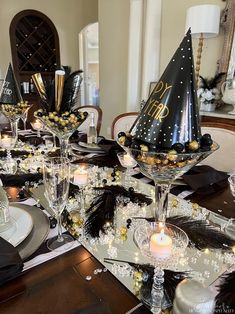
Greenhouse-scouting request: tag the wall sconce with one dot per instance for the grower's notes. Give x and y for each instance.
(204, 21)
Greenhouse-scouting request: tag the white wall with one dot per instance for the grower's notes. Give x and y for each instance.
(69, 18)
(113, 54)
(172, 31)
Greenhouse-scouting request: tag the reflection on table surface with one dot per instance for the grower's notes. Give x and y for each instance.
(205, 266)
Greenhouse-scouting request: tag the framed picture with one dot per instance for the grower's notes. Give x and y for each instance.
(151, 86)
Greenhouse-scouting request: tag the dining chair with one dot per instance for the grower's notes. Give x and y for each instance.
(224, 158)
(84, 127)
(123, 122)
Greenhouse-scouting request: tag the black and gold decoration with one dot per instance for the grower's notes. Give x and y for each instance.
(170, 118)
(58, 101)
(10, 93)
(171, 114)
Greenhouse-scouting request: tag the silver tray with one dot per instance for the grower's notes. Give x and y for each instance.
(41, 228)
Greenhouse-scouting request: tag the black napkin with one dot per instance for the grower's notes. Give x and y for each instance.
(109, 146)
(205, 179)
(19, 180)
(10, 261)
(14, 153)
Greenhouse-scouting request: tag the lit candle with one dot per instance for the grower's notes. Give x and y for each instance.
(160, 245)
(80, 176)
(6, 141)
(37, 125)
(128, 161)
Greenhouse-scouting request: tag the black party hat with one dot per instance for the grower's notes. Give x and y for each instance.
(171, 113)
(10, 93)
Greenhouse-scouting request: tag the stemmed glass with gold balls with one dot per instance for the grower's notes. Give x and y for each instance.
(56, 176)
(163, 168)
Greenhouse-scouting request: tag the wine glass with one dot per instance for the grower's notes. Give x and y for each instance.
(163, 245)
(24, 117)
(56, 176)
(163, 169)
(127, 162)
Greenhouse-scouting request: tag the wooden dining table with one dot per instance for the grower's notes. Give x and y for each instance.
(61, 286)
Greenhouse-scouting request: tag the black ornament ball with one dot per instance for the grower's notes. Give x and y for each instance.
(178, 147)
(135, 145)
(120, 134)
(206, 140)
(39, 114)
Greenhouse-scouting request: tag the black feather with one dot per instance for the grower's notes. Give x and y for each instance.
(133, 196)
(103, 207)
(101, 211)
(171, 278)
(50, 90)
(226, 295)
(211, 83)
(201, 234)
(71, 90)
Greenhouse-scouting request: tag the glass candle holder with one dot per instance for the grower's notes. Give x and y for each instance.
(129, 163)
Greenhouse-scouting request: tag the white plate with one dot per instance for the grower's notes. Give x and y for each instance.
(81, 149)
(21, 226)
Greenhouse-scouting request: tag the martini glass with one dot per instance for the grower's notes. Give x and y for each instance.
(163, 169)
(14, 113)
(163, 245)
(62, 127)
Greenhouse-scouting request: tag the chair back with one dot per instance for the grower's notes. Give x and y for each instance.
(84, 127)
(223, 134)
(123, 122)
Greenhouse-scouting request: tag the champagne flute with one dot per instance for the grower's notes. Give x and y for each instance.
(56, 175)
(24, 118)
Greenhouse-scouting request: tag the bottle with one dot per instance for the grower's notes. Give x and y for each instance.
(92, 133)
(4, 210)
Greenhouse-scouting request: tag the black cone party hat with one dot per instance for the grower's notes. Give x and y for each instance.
(171, 113)
(10, 92)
